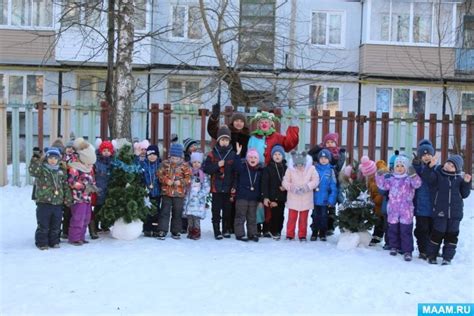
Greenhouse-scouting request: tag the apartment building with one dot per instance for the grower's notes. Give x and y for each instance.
(372, 55)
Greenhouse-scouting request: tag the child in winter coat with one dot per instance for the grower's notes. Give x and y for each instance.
(52, 192)
(423, 205)
(325, 195)
(401, 185)
(220, 166)
(190, 146)
(102, 172)
(150, 167)
(195, 201)
(300, 180)
(450, 187)
(175, 176)
(248, 194)
(82, 183)
(68, 156)
(273, 193)
(381, 228)
(338, 157)
(368, 168)
(139, 149)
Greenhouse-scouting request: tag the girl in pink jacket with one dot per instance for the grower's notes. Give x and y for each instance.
(300, 180)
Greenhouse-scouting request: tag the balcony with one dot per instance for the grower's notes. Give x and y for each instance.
(465, 60)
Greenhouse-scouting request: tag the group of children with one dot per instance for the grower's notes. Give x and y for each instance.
(76, 177)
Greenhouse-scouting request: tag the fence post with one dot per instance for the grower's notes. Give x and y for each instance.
(66, 122)
(433, 122)
(228, 111)
(203, 114)
(104, 120)
(326, 118)
(155, 109)
(420, 127)
(53, 125)
(457, 134)
(360, 136)
(3, 145)
(40, 106)
(444, 137)
(384, 140)
(350, 136)
(166, 129)
(372, 134)
(338, 127)
(29, 140)
(314, 127)
(396, 131)
(469, 140)
(15, 144)
(409, 135)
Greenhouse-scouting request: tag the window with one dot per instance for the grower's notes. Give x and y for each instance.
(467, 103)
(187, 22)
(90, 90)
(34, 13)
(139, 18)
(468, 41)
(400, 100)
(21, 89)
(76, 12)
(257, 32)
(184, 92)
(324, 98)
(327, 28)
(412, 22)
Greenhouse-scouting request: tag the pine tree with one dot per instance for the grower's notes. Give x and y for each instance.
(356, 213)
(127, 197)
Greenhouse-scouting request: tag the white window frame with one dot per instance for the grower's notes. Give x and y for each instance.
(95, 87)
(183, 87)
(451, 43)
(325, 95)
(10, 26)
(463, 93)
(343, 29)
(6, 78)
(186, 23)
(410, 99)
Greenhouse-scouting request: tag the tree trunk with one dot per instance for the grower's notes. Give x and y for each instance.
(124, 78)
(109, 83)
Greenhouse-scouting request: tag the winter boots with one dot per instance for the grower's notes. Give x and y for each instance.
(194, 233)
(93, 230)
(217, 231)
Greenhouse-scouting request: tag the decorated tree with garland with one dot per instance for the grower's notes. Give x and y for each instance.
(356, 213)
(127, 197)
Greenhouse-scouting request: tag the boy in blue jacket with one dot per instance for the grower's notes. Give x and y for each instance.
(422, 202)
(150, 177)
(325, 195)
(449, 188)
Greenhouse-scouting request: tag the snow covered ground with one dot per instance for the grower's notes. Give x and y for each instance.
(185, 277)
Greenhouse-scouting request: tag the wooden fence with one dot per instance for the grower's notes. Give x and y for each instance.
(373, 135)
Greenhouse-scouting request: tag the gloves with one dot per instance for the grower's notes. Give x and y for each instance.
(306, 188)
(411, 171)
(36, 152)
(416, 160)
(216, 110)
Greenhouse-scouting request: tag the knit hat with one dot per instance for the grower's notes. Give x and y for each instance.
(252, 152)
(52, 151)
(197, 156)
(85, 151)
(425, 147)
(298, 158)
(58, 143)
(367, 166)
(238, 116)
(223, 131)
(278, 148)
(265, 116)
(324, 153)
(152, 150)
(188, 142)
(138, 146)
(331, 136)
(69, 144)
(176, 150)
(391, 161)
(457, 161)
(381, 165)
(403, 160)
(106, 145)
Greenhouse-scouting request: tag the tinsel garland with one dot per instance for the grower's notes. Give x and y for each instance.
(126, 167)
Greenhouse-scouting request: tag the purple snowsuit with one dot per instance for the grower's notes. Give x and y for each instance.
(400, 209)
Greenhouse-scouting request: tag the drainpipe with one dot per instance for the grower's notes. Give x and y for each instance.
(60, 100)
